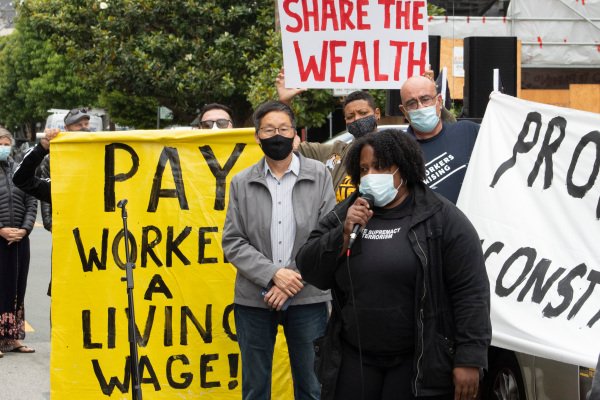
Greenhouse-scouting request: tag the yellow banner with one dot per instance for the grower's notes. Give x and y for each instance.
(176, 184)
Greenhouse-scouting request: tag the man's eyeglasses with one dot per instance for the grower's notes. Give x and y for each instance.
(425, 101)
(222, 123)
(283, 131)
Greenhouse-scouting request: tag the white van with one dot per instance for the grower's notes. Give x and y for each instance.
(57, 120)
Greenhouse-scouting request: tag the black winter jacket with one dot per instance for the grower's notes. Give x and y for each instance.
(43, 172)
(453, 298)
(25, 177)
(17, 209)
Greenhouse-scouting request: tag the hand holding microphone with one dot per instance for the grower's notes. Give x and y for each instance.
(357, 217)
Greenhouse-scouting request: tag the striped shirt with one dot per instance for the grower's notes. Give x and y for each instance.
(283, 223)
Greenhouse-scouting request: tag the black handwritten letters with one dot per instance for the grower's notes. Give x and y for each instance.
(553, 138)
(195, 338)
(535, 282)
(181, 326)
(168, 156)
(97, 253)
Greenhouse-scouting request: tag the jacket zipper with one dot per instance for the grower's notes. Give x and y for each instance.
(9, 192)
(420, 356)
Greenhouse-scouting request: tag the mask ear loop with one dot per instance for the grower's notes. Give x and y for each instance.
(401, 179)
(401, 183)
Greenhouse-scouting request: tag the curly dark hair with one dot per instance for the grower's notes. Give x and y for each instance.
(391, 147)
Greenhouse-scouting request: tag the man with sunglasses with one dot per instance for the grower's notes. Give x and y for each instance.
(215, 116)
(447, 147)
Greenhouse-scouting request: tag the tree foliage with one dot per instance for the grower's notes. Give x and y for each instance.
(179, 53)
(131, 56)
(33, 79)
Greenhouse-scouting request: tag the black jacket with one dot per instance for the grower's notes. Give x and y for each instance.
(17, 209)
(25, 177)
(43, 172)
(452, 291)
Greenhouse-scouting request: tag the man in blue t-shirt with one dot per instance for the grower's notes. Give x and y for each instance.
(446, 146)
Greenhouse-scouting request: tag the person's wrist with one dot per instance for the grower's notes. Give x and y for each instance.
(45, 143)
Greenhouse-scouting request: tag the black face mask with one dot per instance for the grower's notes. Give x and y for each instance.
(361, 127)
(277, 147)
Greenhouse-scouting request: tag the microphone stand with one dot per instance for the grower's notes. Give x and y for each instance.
(134, 367)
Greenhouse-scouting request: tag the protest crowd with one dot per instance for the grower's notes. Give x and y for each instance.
(354, 253)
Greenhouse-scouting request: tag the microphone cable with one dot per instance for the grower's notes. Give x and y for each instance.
(353, 236)
(360, 359)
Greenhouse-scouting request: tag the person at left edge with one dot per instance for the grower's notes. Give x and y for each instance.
(273, 206)
(17, 217)
(410, 316)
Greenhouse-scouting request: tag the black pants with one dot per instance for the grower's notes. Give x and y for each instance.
(378, 382)
(14, 267)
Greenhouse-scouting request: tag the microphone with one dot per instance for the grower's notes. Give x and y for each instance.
(121, 204)
(371, 200)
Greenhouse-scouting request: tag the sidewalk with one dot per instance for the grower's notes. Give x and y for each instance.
(27, 376)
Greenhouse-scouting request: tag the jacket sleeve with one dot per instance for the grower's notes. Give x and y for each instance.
(238, 249)
(328, 195)
(26, 180)
(46, 210)
(315, 151)
(317, 260)
(43, 172)
(468, 289)
(30, 213)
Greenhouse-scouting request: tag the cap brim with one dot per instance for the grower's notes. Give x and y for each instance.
(75, 119)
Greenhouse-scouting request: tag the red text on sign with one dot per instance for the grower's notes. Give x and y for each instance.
(316, 15)
(403, 13)
(364, 54)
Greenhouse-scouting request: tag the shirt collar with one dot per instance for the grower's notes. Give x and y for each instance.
(294, 166)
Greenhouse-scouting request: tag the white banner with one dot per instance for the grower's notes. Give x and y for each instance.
(347, 44)
(533, 193)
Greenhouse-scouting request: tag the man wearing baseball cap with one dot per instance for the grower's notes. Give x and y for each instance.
(78, 119)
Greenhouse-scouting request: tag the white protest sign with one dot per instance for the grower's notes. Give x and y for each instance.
(371, 44)
(532, 191)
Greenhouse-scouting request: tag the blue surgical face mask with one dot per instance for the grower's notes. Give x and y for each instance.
(4, 152)
(380, 186)
(424, 119)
